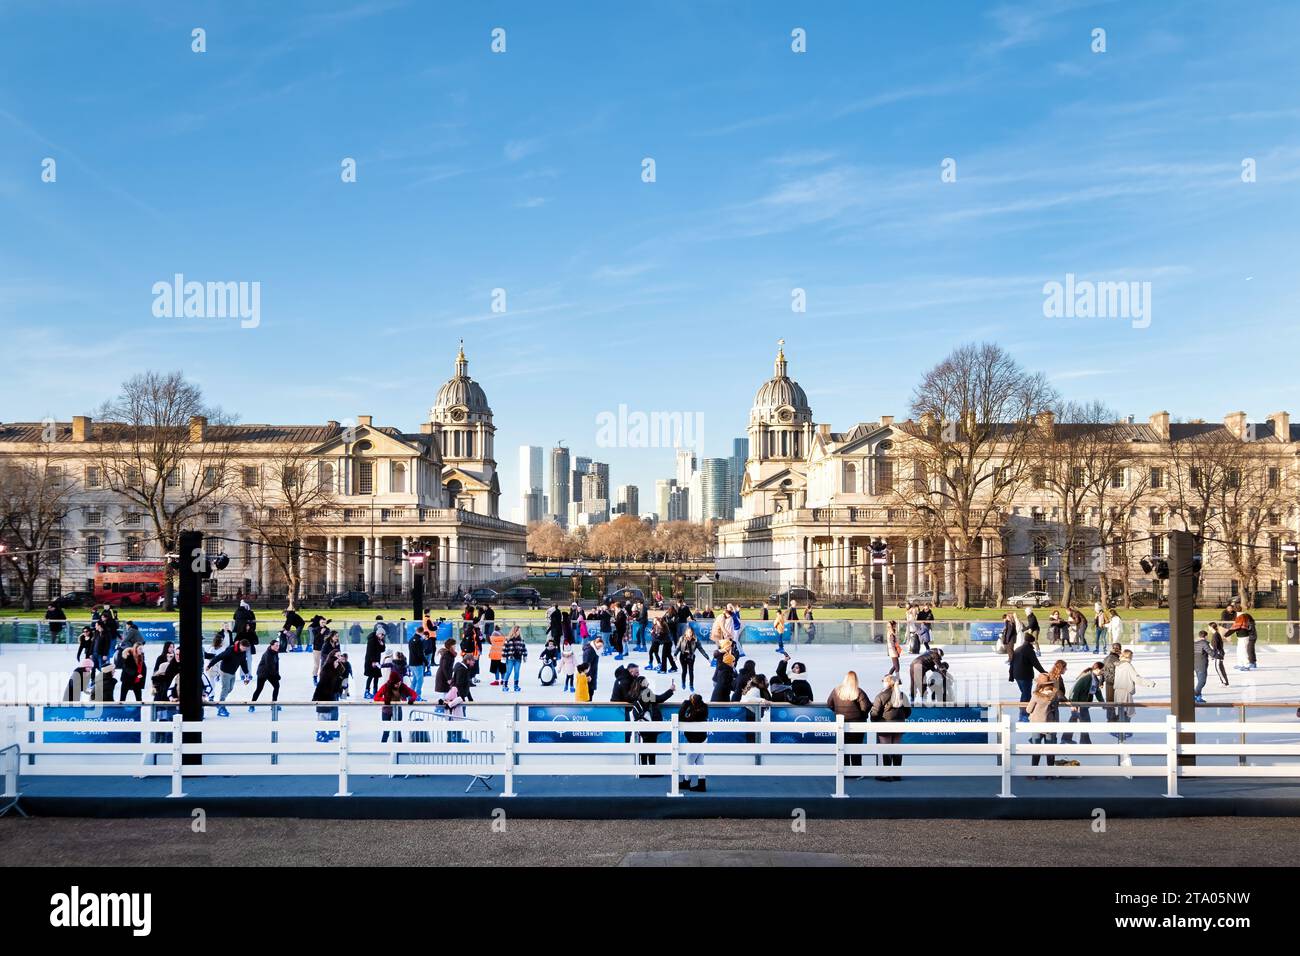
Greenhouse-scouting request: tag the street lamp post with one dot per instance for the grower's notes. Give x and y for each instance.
(1290, 552)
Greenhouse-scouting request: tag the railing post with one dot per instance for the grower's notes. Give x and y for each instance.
(839, 756)
(178, 743)
(343, 754)
(1171, 755)
(275, 734)
(510, 759)
(11, 763)
(676, 759)
(1241, 757)
(1007, 735)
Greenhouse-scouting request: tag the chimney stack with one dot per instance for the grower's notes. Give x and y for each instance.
(81, 428)
(886, 419)
(198, 428)
(1160, 423)
(1281, 422)
(363, 420)
(1235, 422)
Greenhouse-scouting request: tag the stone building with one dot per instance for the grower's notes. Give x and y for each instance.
(382, 491)
(813, 499)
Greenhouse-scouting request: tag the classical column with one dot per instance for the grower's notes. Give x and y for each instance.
(454, 573)
(380, 573)
(367, 562)
(261, 568)
(406, 576)
(302, 568)
(922, 565)
(948, 566)
(911, 566)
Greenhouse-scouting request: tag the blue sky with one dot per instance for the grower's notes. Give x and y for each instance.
(522, 171)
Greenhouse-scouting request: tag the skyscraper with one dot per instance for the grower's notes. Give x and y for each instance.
(559, 503)
(629, 500)
(580, 468)
(678, 505)
(531, 492)
(739, 453)
(663, 488)
(715, 489)
(685, 467)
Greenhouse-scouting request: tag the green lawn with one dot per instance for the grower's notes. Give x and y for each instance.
(266, 616)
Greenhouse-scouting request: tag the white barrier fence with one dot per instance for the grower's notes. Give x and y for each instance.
(434, 745)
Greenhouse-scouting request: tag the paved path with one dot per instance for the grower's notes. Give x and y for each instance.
(1214, 841)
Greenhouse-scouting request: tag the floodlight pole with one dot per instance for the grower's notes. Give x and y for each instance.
(1182, 635)
(190, 636)
(1289, 551)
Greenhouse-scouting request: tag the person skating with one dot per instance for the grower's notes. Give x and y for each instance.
(1126, 682)
(893, 648)
(688, 645)
(133, 671)
(1200, 664)
(513, 652)
(568, 664)
(1217, 652)
(1087, 687)
(724, 679)
(268, 672)
(1024, 662)
(791, 687)
(920, 666)
(229, 662)
(1040, 710)
(1243, 627)
(591, 653)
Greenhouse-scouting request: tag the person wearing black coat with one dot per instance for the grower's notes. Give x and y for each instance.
(795, 689)
(329, 686)
(591, 657)
(374, 653)
(461, 676)
(134, 672)
(293, 621)
(645, 706)
(86, 644)
(1023, 664)
(724, 680)
(921, 666)
(850, 702)
(268, 672)
(693, 711)
(55, 615)
(743, 677)
(243, 616)
(555, 623)
(446, 664)
(890, 706)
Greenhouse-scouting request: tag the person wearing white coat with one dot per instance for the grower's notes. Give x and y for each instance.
(1126, 681)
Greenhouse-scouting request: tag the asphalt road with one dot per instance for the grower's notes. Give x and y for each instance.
(1204, 841)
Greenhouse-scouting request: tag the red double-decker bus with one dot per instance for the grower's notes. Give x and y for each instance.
(130, 583)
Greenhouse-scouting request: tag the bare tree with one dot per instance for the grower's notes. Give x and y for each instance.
(286, 500)
(164, 450)
(1249, 499)
(973, 447)
(1199, 471)
(35, 497)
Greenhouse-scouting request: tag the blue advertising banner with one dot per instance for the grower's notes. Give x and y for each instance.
(763, 633)
(568, 717)
(721, 714)
(803, 715)
(985, 632)
(1153, 631)
(923, 714)
(702, 628)
(157, 632)
(99, 721)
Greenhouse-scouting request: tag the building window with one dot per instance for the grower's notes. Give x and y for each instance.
(134, 549)
(326, 475)
(884, 475)
(132, 518)
(1040, 516)
(1274, 549)
(1194, 477)
(94, 478)
(1157, 477)
(212, 517)
(209, 477)
(850, 477)
(1275, 478)
(1158, 547)
(94, 517)
(92, 550)
(212, 547)
(174, 478)
(1076, 476)
(1117, 478)
(399, 478)
(133, 477)
(1040, 479)
(365, 478)
(250, 476)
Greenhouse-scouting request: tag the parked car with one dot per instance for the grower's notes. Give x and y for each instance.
(350, 599)
(801, 594)
(483, 596)
(932, 598)
(626, 595)
(1030, 599)
(1145, 599)
(524, 597)
(74, 599)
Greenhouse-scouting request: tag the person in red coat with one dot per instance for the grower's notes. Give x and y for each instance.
(393, 691)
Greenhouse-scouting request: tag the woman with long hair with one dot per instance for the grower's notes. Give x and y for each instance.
(1217, 652)
(848, 701)
(890, 706)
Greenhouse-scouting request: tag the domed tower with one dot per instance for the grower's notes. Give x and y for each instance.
(462, 419)
(780, 434)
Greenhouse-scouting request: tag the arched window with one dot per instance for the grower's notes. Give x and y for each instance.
(399, 478)
(850, 477)
(326, 475)
(453, 492)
